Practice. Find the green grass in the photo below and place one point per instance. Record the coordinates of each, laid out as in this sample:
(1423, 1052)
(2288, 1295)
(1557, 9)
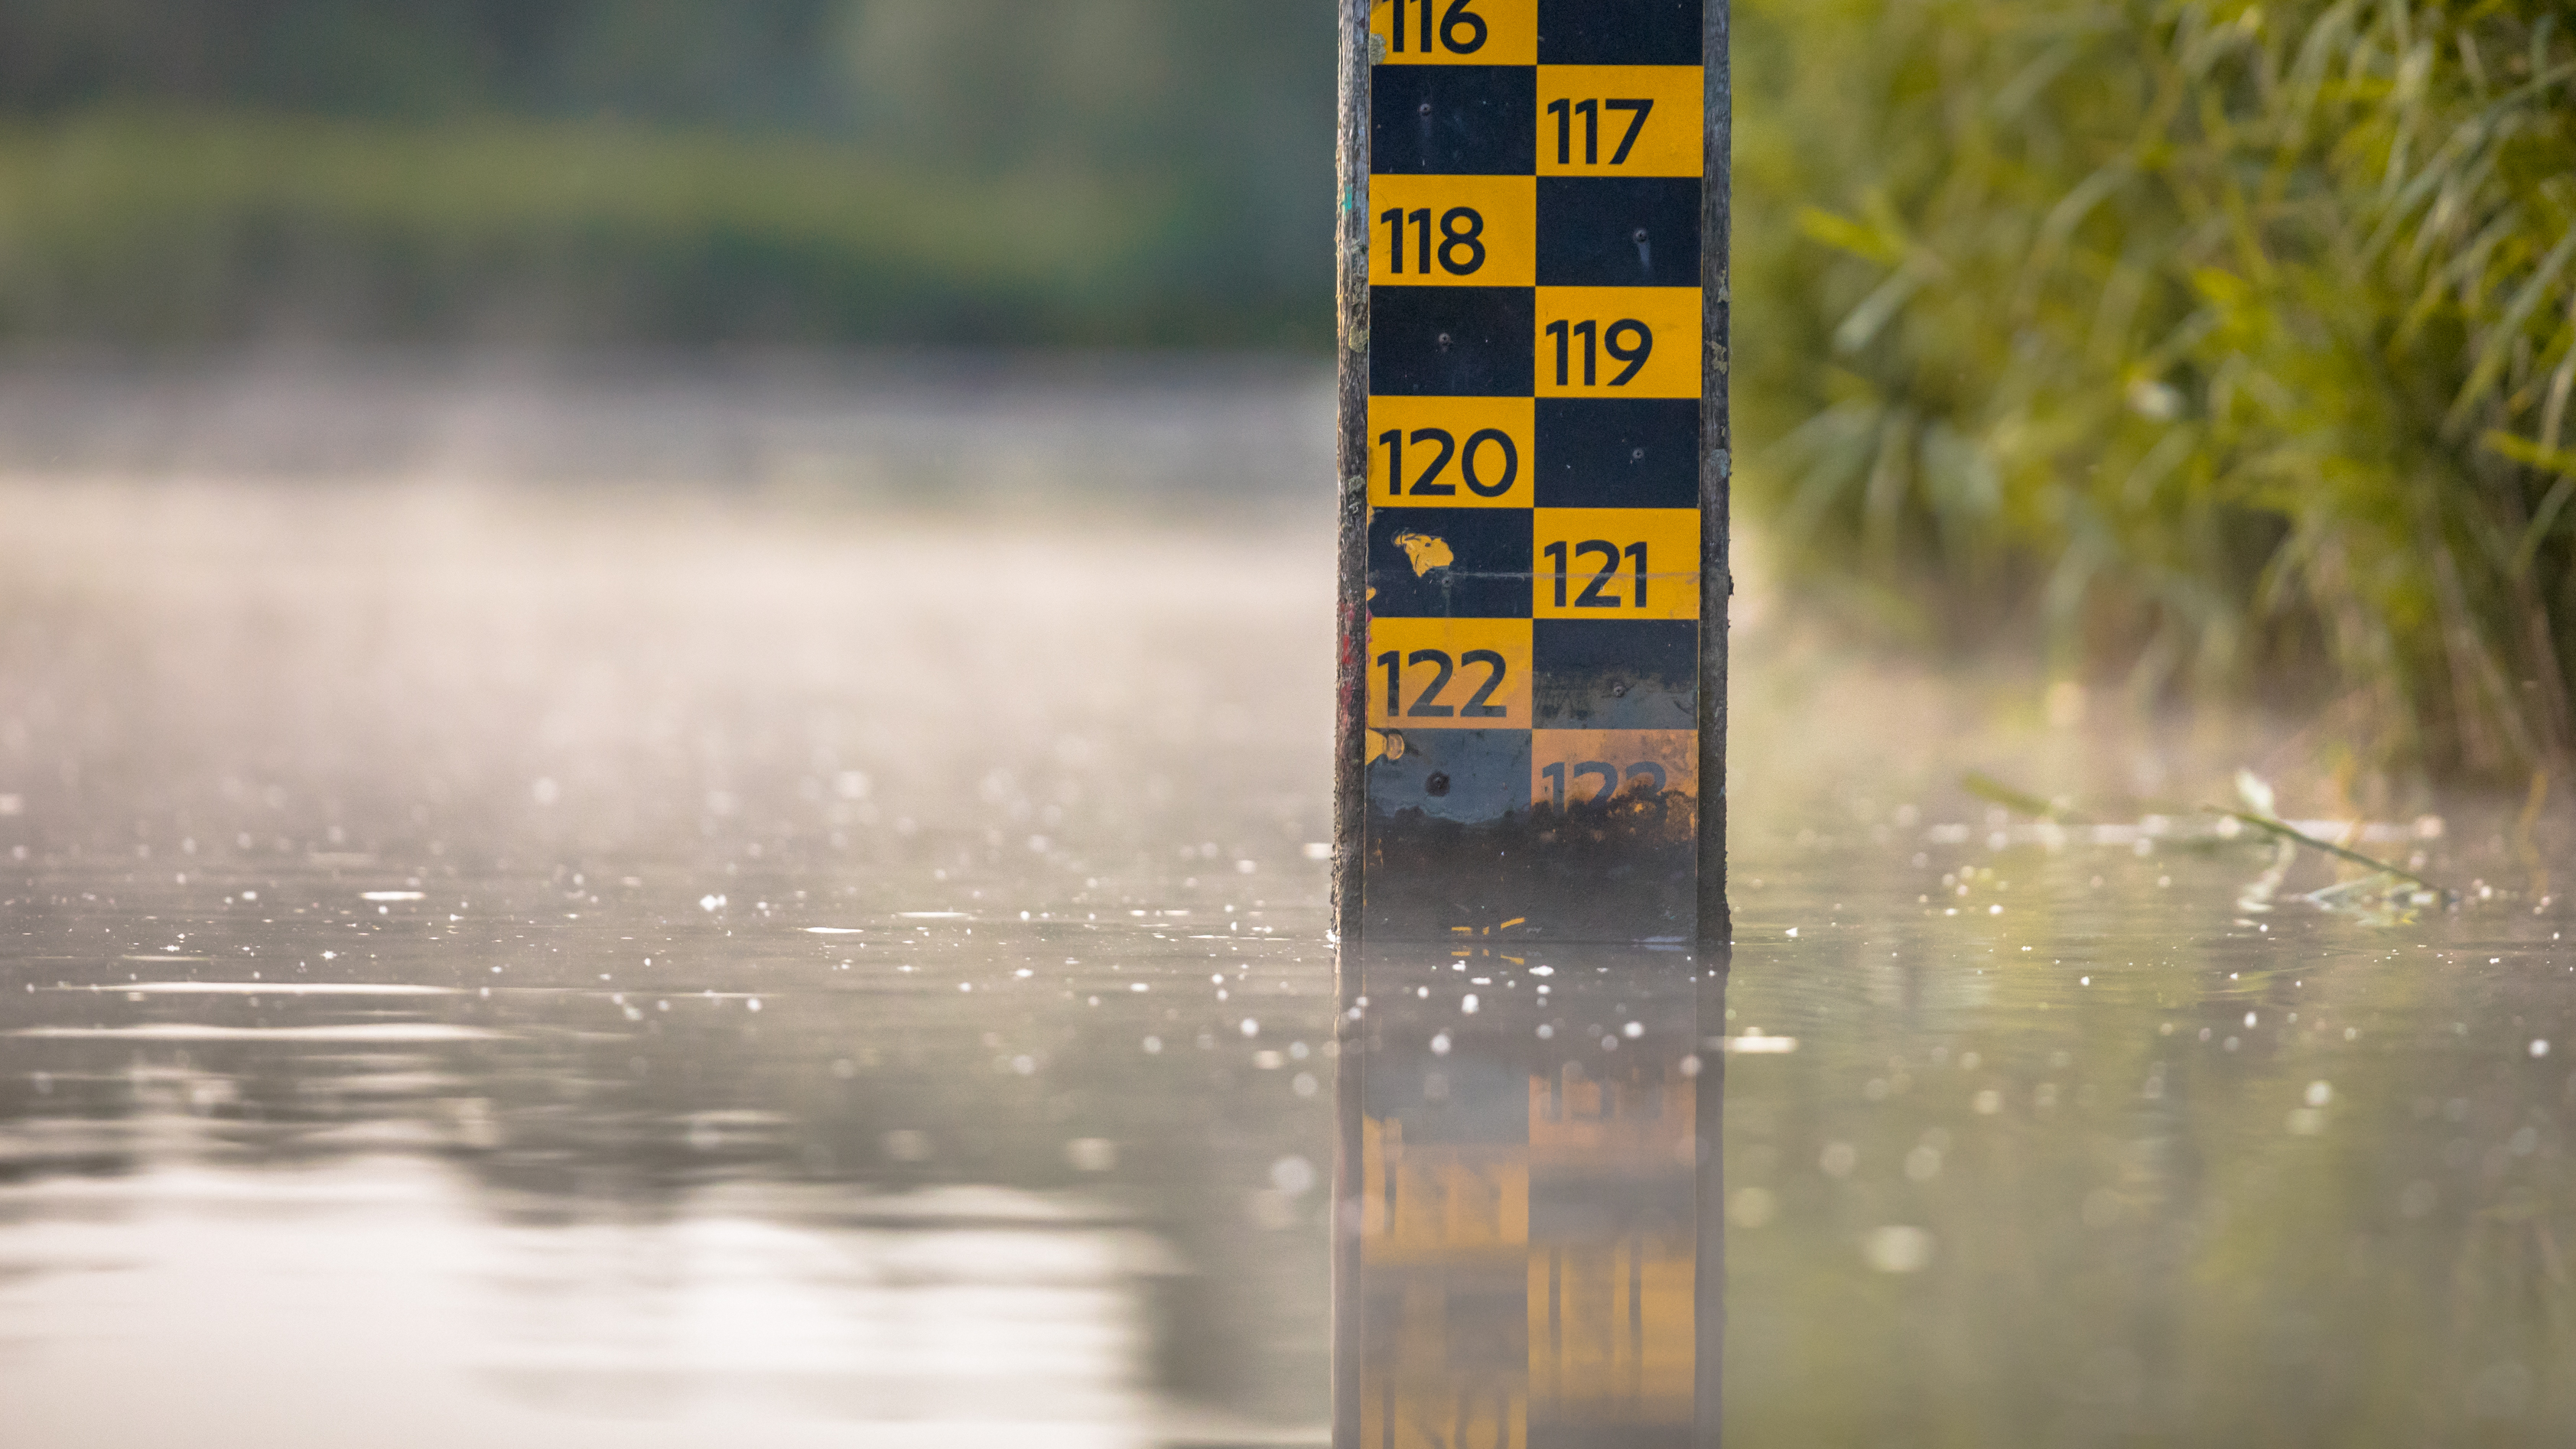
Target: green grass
(2230, 345)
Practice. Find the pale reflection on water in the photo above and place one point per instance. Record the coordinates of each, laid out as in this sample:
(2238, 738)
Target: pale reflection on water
(791, 945)
(821, 946)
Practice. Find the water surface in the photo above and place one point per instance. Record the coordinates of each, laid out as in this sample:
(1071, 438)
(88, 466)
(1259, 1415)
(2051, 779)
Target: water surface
(491, 952)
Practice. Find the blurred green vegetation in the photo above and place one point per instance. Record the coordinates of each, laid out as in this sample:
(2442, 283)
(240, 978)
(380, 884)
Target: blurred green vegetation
(1093, 171)
(2230, 344)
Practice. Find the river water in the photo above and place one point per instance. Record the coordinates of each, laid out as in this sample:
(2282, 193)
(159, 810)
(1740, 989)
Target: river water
(785, 905)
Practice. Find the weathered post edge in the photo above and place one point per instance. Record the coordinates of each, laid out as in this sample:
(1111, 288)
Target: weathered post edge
(1350, 691)
(1717, 588)
(1716, 474)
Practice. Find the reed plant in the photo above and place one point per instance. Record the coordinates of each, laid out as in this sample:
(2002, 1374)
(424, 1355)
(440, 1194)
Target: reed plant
(2226, 346)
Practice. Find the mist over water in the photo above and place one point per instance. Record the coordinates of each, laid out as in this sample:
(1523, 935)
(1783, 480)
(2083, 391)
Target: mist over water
(647, 905)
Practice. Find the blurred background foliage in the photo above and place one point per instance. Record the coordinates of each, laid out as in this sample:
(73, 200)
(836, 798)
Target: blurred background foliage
(2207, 344)
(590, 171)
(2210, 347)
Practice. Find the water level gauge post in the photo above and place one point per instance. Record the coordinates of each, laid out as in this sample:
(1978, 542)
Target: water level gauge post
(1533, 469)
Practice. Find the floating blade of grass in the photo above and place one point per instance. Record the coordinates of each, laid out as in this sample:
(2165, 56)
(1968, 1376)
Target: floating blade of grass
(1995, 792)
(2283, 831)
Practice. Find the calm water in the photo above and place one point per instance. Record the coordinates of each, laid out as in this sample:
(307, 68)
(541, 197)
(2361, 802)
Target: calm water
(492, 953)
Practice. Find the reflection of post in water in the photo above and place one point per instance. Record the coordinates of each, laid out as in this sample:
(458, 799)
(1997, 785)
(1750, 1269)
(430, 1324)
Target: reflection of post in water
(1526, 1205)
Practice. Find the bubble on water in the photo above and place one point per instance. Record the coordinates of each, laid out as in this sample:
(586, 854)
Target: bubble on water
(2320, 1093)
(1091, 1154)
(1319, 850)
(710, 902)
(1250, 1027)
(1153, 1045)
(1546, 1032)
(2540, 1048)
(1469, 1004)
(1440, 1045)
(1897, 1249)
(1634, 1030)
(1751, 1207)
(1292, 1175)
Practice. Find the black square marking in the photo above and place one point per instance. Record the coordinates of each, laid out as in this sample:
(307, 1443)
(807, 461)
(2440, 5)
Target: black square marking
(1451, 341)
(1453, 120)
(1627, 453)
(1619, 32)
(1449, 563)
(1629, 675)
(1618, 231)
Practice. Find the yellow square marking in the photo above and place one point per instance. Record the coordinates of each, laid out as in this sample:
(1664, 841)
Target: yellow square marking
(1615, 563)
(1478, 32)
(1453, 231)
(1429, 674)
(1457, 452)
(1579, 766)
(1618, 342)
(1620, 120)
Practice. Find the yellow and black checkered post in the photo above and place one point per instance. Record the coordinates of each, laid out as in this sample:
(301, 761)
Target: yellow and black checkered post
(1530, 394)
(1529, 876)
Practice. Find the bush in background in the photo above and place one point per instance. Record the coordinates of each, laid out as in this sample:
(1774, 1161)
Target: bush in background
(2232, 342)
(663, 171)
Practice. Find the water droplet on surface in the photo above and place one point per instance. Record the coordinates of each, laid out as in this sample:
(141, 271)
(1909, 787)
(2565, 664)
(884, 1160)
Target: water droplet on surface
(1897, 1249)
